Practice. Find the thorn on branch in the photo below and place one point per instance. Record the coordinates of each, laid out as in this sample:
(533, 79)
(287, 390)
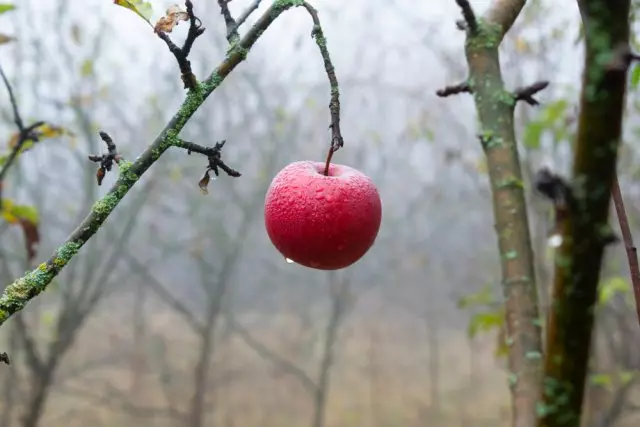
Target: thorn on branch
(526, 93)
(454, 90)
(469, 16)
(165, 25)
(214, 155)
(106, 160)
(4, 358)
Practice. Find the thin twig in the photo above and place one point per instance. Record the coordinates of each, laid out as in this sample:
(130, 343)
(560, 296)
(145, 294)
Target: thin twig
(454, 90)
(232, 26)
(337, 141)
(24, 134)
(469, 15)
(182, 53)
(627, 237)
(526, 93)
(245, 15)
(18, 294)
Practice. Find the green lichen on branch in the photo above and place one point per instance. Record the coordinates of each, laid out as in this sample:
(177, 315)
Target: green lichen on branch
(20, 292)
(495, 106)
(578, 260)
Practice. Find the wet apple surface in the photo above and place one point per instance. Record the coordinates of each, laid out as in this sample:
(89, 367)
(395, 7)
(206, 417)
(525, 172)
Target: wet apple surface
(322, 222)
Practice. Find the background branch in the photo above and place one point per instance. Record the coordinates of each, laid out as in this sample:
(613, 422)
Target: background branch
(627, 238)
(578, 259)
(20, 292)
(495, 106)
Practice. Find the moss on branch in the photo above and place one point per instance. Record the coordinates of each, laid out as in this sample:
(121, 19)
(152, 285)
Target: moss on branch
(20, 292)
(579, 257)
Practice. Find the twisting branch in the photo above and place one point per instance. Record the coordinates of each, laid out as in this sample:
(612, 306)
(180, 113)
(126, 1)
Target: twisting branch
(627, 238)
(106, 160)
(585, 231)
(495, 106)
(165, 25)
(16, 295)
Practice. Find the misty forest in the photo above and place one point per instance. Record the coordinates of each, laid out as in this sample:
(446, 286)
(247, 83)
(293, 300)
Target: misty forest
(319, 213)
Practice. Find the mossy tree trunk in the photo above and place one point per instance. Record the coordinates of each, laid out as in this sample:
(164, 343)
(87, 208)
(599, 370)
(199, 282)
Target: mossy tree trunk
(585, 229)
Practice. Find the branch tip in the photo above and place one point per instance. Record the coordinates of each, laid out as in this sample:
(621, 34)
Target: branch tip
(470, 21)
(106, 160)
(463, 87)
(182, 53)
(526, 93)
(214, 156)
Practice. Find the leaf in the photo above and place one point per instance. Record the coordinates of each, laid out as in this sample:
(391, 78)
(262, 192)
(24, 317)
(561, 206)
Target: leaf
(635, 77)
(45, 131)
(533, 134)
(204, 182)
(603, 380)
(86, 69)
(485, 321)
(28, 219)
(4, 39)
(612, 287)
(482, 297)
(142, 8)
(6, 7)
(172, 17)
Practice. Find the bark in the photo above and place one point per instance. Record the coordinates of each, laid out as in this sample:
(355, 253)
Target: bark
(585, 227)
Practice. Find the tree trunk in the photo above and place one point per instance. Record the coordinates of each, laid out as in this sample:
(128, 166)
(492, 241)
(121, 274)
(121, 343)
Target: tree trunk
(37, 399)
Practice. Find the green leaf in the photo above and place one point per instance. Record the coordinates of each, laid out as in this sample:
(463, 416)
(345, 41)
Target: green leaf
(486, 321)
(533, 133)
(142, 8)
(86, 69)
(635, 77)
(483, 297)
(612, 287)
(603, 380)
(6, 7)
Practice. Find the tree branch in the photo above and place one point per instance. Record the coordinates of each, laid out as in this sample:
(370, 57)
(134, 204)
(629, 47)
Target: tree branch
(282, 363)
(585, 228)
(627, 238)
(495, 106)
(20, 292)
(24, 133)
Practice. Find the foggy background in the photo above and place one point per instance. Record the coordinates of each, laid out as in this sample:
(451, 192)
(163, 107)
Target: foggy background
(180, 312)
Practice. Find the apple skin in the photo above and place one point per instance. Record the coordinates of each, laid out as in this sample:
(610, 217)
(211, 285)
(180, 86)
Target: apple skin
(322, 222)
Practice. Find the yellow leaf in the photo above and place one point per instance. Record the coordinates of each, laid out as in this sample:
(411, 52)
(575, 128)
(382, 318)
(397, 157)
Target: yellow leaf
(521, 45)
(141, 8)
(87, 68)
(172, 18)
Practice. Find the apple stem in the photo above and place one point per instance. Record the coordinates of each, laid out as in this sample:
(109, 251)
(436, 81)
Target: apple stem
(332, 150)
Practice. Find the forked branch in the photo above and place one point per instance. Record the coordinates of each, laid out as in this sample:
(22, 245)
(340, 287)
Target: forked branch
(24, 289)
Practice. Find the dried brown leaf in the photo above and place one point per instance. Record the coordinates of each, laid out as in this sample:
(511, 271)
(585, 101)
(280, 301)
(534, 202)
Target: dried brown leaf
(172, 17)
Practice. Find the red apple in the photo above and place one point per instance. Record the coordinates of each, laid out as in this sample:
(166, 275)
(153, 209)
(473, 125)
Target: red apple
(319, 221)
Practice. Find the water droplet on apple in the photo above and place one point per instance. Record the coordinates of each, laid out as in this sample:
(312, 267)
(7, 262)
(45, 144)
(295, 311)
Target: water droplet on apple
(288, 261)
(554, 240)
